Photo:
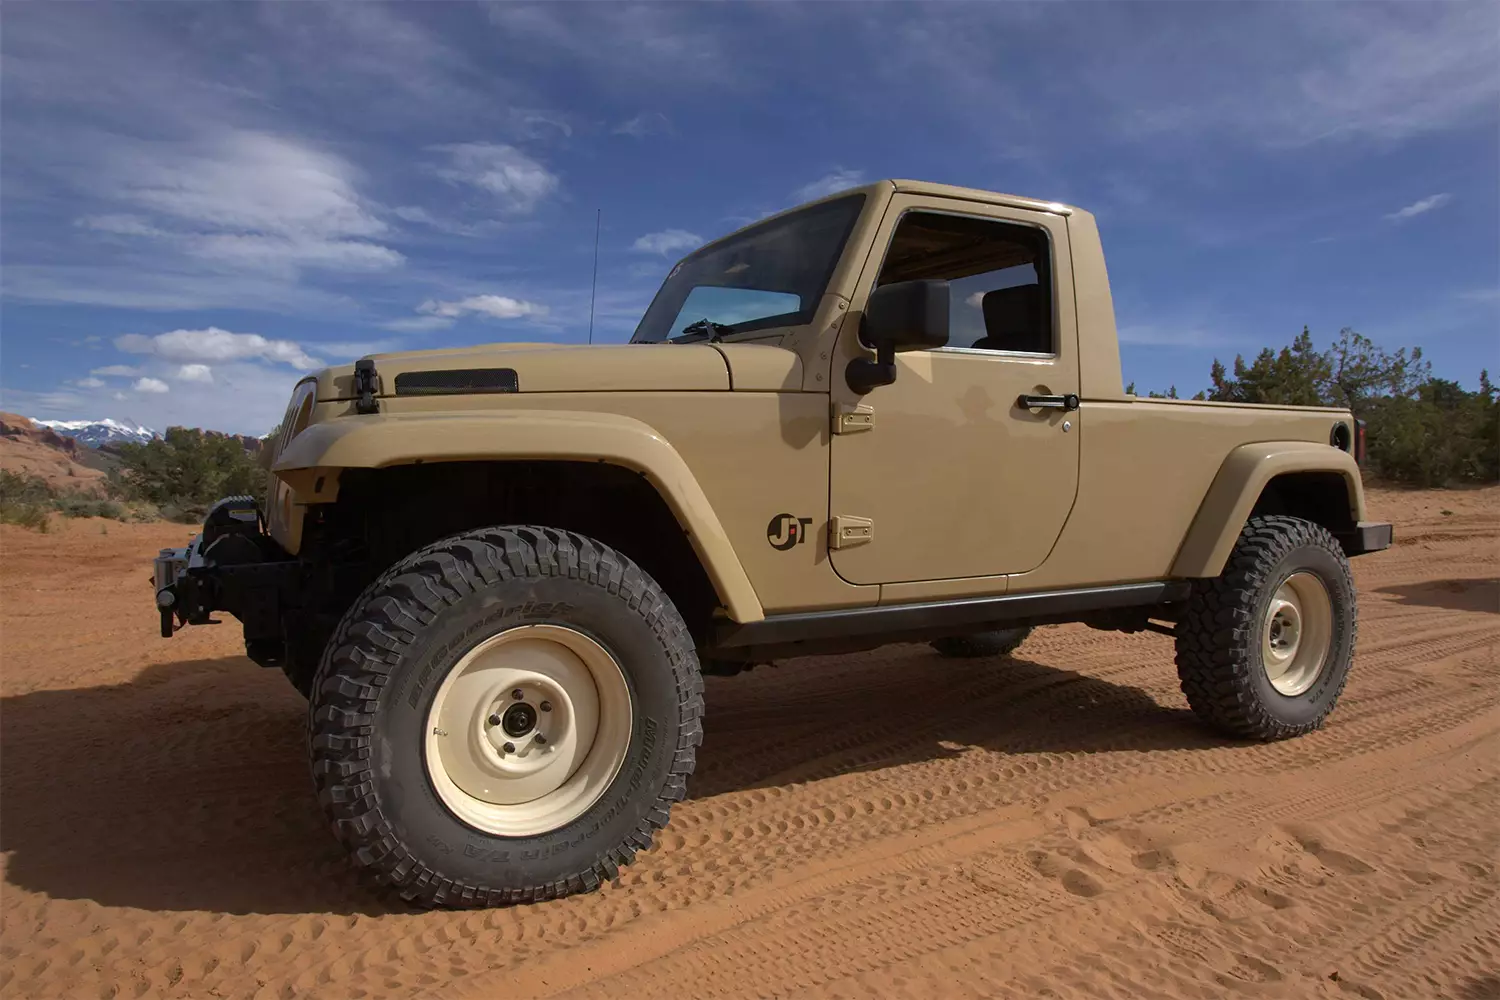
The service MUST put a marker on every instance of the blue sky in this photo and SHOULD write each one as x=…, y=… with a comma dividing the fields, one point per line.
x=199, y=201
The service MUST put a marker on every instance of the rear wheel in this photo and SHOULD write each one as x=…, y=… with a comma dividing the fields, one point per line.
x=1264, y=649
x=505, y=716
x=997, y=643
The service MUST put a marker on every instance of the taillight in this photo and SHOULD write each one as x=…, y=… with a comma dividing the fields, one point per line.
x=1359, y=441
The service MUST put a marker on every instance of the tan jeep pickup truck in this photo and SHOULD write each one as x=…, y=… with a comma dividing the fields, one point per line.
x=893, y=415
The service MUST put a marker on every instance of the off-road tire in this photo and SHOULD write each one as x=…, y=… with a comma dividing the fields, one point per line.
x=382, y=669
x=1000, y=642
x=1219, y=659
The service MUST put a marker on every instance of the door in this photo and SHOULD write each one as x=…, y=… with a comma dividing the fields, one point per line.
x=949, y=476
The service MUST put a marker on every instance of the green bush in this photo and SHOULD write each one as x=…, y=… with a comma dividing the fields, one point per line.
x=83, y=505
x=27, y=515
x=183, y=473
x=27, y=500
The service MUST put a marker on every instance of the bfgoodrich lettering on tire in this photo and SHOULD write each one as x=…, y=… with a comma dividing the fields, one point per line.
x=505, y=716
x=1263, y=650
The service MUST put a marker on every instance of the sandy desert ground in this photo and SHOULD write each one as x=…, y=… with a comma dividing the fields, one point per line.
x=892, y=824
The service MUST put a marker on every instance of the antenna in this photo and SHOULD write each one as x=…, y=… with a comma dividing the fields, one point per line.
x=594, y=287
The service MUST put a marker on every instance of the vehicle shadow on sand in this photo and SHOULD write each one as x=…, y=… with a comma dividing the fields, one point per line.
x=871, y=712
x=188, y=789
x=1478, y=594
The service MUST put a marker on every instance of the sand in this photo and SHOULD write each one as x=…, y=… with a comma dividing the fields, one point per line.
x=888, y=824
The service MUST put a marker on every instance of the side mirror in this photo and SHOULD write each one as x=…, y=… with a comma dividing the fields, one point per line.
x=903, y=316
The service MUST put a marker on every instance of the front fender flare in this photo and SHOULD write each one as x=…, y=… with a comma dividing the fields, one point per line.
x=1245, y=472
x=379, y=441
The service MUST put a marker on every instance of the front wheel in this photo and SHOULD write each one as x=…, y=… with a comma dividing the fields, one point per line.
x=505, y=716
x=1264, y=649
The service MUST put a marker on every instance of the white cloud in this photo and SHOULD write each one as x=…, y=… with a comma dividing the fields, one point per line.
x=835, y=180
x=252, y=182
x=976, y=300
x=119, y=225
x=90, y=383
x=644, y=124
x=213, y=345
x=1420, y=207
x=1166, y=335
x=169, y=278
x=195, y=373
x=1291, y=76
x=122, y=371
x=150, y=385
x=668, y=241
x=455, y=227
x=518, y=181
x=239, y=201
x=284, y=253
x=493, y=306
x=418, y=324
x=622, y=45
x=535, y=123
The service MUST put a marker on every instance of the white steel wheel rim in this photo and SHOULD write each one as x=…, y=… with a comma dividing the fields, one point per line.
x=1297, y=633
x=483, y=753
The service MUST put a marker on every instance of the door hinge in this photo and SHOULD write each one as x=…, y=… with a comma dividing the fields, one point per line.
x=845, y=531
x=848, y=420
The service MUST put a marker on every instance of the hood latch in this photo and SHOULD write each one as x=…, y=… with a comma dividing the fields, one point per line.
x=366, y=387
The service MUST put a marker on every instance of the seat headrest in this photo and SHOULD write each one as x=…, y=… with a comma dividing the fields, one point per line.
x=1014, y=320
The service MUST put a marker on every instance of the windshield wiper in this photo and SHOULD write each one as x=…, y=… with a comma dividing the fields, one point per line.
x=704, y=329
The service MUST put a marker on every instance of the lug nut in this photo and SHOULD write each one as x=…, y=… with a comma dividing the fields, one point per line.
x=518, y=694
x=509, y=748
x=540, y=739
x=545, y=706
x=494, y=720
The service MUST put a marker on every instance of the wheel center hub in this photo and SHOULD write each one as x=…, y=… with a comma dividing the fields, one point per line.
x=1285, y=627
x=518, y=720
x=528, y=729
x=1297, y=633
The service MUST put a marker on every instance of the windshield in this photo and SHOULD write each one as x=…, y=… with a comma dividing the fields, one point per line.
x=770, y=275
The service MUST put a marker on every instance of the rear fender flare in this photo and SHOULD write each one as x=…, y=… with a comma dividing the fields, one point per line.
x=378, y=441
x=1239, y=483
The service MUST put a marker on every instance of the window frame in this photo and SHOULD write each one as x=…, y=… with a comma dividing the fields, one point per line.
x=1050, y=278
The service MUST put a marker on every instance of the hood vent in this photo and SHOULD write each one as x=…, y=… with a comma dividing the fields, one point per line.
x=457, y=382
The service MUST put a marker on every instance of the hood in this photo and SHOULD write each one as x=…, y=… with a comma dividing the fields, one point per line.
x=585, y=368
x=553, y=368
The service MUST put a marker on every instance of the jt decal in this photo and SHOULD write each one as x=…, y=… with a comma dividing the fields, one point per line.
x=787, y=530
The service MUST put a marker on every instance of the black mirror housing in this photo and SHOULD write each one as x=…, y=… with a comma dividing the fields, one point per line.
x=907, y=315
x=902, y=316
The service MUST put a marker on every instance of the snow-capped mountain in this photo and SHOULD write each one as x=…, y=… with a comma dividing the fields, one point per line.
x=95, y=433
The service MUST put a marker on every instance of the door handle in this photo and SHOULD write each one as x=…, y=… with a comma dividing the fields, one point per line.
x=1064, y=403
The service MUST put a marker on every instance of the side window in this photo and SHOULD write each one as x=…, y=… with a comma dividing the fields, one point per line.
x=999, y=275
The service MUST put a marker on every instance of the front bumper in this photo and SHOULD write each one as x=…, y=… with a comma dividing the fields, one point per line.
x=232, y=566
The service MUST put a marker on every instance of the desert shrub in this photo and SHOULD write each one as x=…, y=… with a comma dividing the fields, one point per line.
x=27, y=515
x=24, y=500
x=183, y=473
x=84, y=505
x=27, y=500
